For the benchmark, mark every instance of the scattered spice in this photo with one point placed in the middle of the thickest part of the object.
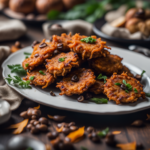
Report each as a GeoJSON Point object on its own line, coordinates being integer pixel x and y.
{"type": "Point", "coordinates": [138, 123]}
{"type": "Point", "coordinates": [116, 132]}
{"type": "Point", "coordinates": [127, 146]}
{"type": "Point", "coordinates": [76, 134]}
{"type": "Point", "coordinates": [56, 117]}
{"type": "Point", "coordinates": [37, 107]}
{"type": "Point", "coordinates": [19, 126]}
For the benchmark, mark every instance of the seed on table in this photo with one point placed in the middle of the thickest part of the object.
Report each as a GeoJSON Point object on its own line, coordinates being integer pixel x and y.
{"type": "Point", "coordinates": [60, 46]}
{"type": "Point", "coordinates": [66, 130]}
{"type": "Point", "coordinates": [29, 112]}
{"type": "Point", "coordinates": [71, 124]}
{"type": "Point", "coordinates": [58, 118]}
{"type": "Point", "coordinates": [43, 120]}
{"type": "Point", "coordinates": [59, 125]}
{"type": "Point", "coordinates": [34, 130]}
{"type": "Point", "coordinates": [138, 123]}
{"type": "Point", "coordinates": [67, 139]}
{"type": "Point", "coordinates": [29, 126]}
{"type": "Point", "coordinates": [35, 123]}
{"type": "Point", "coordinates": [123, 87]}
{"type": "Point", "coordinates": [42, 127]}
{"type": "Point", "coordinates": [94, 137]}
{"type": "Point", "coordinates": [24, 115]}
{"type": "Point", "coordinates": [52, 93]}
{"type": "Point", "coordinates": [32, 121]}
{"type": "Point", "coordinates": [34, 117]}
{"type": "Point", "coordinates": [90, 129]}
{"type": "Point", "coordinates": [52, 135]}
{"type": "Point", "coordinates": [74, 78]}
{"type": "Point", "coordinates": [73, 128]}
{"type": "Point", "coordinates": [80, 99]}
{"type": "Point", "coordinates": [42, 45]}
{"type": "Point", "coordinates": [36, 112]}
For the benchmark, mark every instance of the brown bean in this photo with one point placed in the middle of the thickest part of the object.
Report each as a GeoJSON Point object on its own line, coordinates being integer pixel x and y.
{"type": "Point", "coordinates": [32, 121]}
{"type": "Point", "coordinates": [138, 123]}
{"type": "Point", "coordinates": [66, 130]}
{"type": "Point", "coordinates": [29, 126]}
{"type": "Point", "coordinates": [43, 120]}
{"type": "Point", "coordinates": [80, 99]}
{"type": "Point", "coordinates": [52, 135]}
{"type": "Point", "coordinates": [138, 77]}
{"type": "Point", "coordinates": [34, 117]}
{"type": "Point", "coordinates": [34, 43]}
{"type": "Point", "coordinates": [90, 129]}
{"type": "Point", "coordinates": [36, 112]}
{"type": "Point", "coordinates": [42, 45]}
{"type": "Point", "coordinates": [58, 118]}
{"type": "Point", "coordinates": [35, 123]}
{"type": "Point", "coordinates": [59, 125]}
{"type": "Point", "coordinates": [73, 128]}
{"type": "Point", "coordinates": [29, 112]}
{"type": "Point", "coordinates": [52, 93]}
{"type": "Point", "coordinates": [94, 137]}
{"type": "Point", "coordinates": [42, 127]}
{"type": "Point", "coordinates": [123, 87]}
{"type": "Point", "coordinates": [71, 124]}
{"type": "Point", "coordinates": [56, 52]}
{"type": "Point", "coordinates": [74, 78]}
{"type": "Point", "coordinates": [34, 130]}
{"type": "Point", "coordinates": [24, 114]}
{"type": "Point", "coordinates": [36, 55]}
{"type": "Point", "coordinates": [60, 46]}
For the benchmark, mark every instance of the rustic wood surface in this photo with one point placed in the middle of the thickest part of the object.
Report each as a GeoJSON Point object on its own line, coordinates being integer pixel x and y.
{"type": "Point", "coordinates": [114, 122]}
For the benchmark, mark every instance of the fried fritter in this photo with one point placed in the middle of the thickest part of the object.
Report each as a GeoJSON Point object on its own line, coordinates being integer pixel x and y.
{"type": "Point", "coordinates": [120, 93]}
{"type": "Point", "coordinates": [125, 70]}
{"type": "Point", "coordinates": [98, 87]}
{"type": "Point", "coordinates": [86, 79]}
{"type": "Point", "coordinates": [41, 52]}
{"type": "Point", "coordinates": [107, 65]}
{"type": "Point", "coordinates": [40, 77]}
{"type": "Point", "coordinates": [61, 64]}
{"type": "Point", "coordinates": [88, 50]}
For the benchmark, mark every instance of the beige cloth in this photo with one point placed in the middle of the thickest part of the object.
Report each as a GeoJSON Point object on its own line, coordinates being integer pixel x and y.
{"type": "Point", "coordinates": [74, 26]}
{"type": "Point", "coordinates": [6, 93]}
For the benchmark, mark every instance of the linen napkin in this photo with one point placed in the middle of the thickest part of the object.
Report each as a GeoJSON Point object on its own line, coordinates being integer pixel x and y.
{"type": "Point", "coordinates": [7, 93]}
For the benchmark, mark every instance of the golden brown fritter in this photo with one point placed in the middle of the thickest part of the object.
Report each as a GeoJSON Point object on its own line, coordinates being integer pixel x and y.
{"type": "Point", "coordinates": [61, 64]}
{"type": "Point", "coordinates": [86, 79]}
{"type": "Point", "coordinates": [88, 50]}
{"type": "Point", "coordinates": [43, 79]}
{"type": "Point", "coordinates": [41, 52]}
{"type": "Point", "coordinates": [107, 65]}
{"type": "Point", "coordinates": [98, 87]}
{"type": "Point", "coordinates": [125, 70]}
{"type": "Point", "coordinates": [120, 93]}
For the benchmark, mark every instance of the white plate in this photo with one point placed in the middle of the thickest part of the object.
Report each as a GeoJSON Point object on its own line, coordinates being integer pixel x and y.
{"type": "Point", "coordinates": [70, 103]}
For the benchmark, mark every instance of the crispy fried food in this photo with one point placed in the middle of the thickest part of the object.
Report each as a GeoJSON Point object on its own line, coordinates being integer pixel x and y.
{"type": "Point", "coordinates": [88, 50]}
{"type": "Point", "coordinates": [86, 79]}
{"type": "Point", "coordinates": [118, 94]}
{"type": "Point", "coordinates": [62, 42]}
{"type": "Point", "coordinates": [107, 65]}
{"type": "Point", "coordinates": [98, 87]}
{"type": "Point", "coordinates": [41, 52]}
{"type": "Point", "coordinates": [44, 79]}
{"type": "Point", "coordinates": [61, 64]}
{"type": "Point", "coordinates": [125, 70]}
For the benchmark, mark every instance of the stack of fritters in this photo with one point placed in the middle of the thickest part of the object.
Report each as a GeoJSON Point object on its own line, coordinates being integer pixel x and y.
{"type": "Point", "coordinates": [65, 56]}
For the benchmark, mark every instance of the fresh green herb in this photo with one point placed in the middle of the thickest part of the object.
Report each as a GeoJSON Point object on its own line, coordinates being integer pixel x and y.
{"type": "Point", "coordinates": [128, 86]}
{"type": "Point", "coordinates": [17, 69]}
{"type": "Point", "coordinates": [17, 81]}
{"type": "Point", "coordinates": [147, 94]}
{"type": "Point", "coordinates": [29, 148]}
{"type": "Point", "coordinates": [26, 57]}
{"type": "Point", "coordinates": [103, 133]}
{"type": "Point", "coordinates": [27, 64]}
{"type": "Point", "coordinates": [100, 76]}
{"type": "Point", "coordinates": [99, 100]}
{"type": "Point", "coordinates": [127, 91]}
{"type": "Point", "coordinates": [41, 72]}
{"type": "Point", "coordinates": [83, 148]}
{"type": "Point", "coordinates": [26, 53]}
{"type": "Point", "coordinates": [142, 73]}
{"type": "Point", "coordinates": [32, 78]}
{"type": "Point", "coordinates": [88, 40]}
{"type": "Point", "coordinates": [62, 59]}
{"type": "Point", "coordinates": [118, 84]}
{"type": "Point", "coordinates": [135, 90]}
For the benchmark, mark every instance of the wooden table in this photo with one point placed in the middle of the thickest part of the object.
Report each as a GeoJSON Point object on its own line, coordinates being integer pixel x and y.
{"type": "Point", "coordinates": [114, 122]}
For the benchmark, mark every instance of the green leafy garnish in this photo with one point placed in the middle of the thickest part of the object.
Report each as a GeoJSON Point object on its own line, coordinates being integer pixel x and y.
{"type": "Point", "coordinates": [26, 53]}
{"type": "Point", "coordinates": [88, 40]}
{"type": "Point", "coordinates": [99, 100]}
{"type": "Point", "coordinates": [26, 57]}
{"type": "Point", "coordinates": [41, 72]}
{"type": "Point", "coordinates": [32, 78]}
{"type": "Point", "coordinates": [118, 84]}
{"type": "Point", "coordinates": [124, 82]}
{"type": "Point", "coordinates": [142, 73]}
{"type": "Point", "coordinates": [103, 133]}
{"type": "Point", "coordinates": [29, 148]}
{"type": "Point", "coordinates": [127, 91]}
{"type": "Point", "coordinates": [83, 148]}
{"type": "Point", "coordinates": [100, 76]}
{"type": "Point", "coordinates": [27, 64]}
{"type": "Point", "coordinates": [135, 90]}
{"type": "Point", "coordinates": [17, 81]}
{"type": "Point", "coordinates": [17, 69]}
{"type": "Point", "coordinates": [62, 59]}
{"type": "Point", "coordinates": [147, 94]}
{"type": "Point", "coordinates": [128, 86]}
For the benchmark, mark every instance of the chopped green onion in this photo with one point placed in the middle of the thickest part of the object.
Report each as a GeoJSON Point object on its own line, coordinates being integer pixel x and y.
{"type": "Point", "coordinates": [118, 84]}
{"type": "Point", "coordinates": [99, 100]}
{"type": "Point", "coordinates": [88, 40]}
{"type": "Point", "coordinates": [27, 64]}
{"type": "Point", "coordinates": [31, 78]}
{"type": "Point", "coordinates": [135, 90]}
{"type": "Point", "coordinates": [62, 59]}
{"type": "Point", "coordinates": [41, 72]}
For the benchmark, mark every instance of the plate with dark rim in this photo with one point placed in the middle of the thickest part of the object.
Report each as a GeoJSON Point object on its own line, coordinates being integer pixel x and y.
{"type": "Point", "coordinates": [97, 30]}
{"type": "Point", "coordinates": [134, 61]}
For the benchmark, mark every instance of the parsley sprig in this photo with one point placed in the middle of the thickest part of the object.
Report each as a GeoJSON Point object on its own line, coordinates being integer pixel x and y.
{"type": "Point", "coordinates": [17, 69]}
{"type": "Point", "coordinates": [103, 133]}
{"type": "Point", "coordinates": [99, 100]}
{"type": "Point", "coordinates": [41, 72]}
{"type": "Point", "coordinates": [100, 76]}
{"type": "Point", "coordinates": [88, 40]}
{"type": "Point", "coordinates": [62, 59]}
{"type": "Point", "coordinates": [142, 73]}
{"type": "Point", "coordinates": [128, 86]}
{"type": "Point", "coordinates": [18, 82]}
{"type": "Point", "coordinates": [135, 90]}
